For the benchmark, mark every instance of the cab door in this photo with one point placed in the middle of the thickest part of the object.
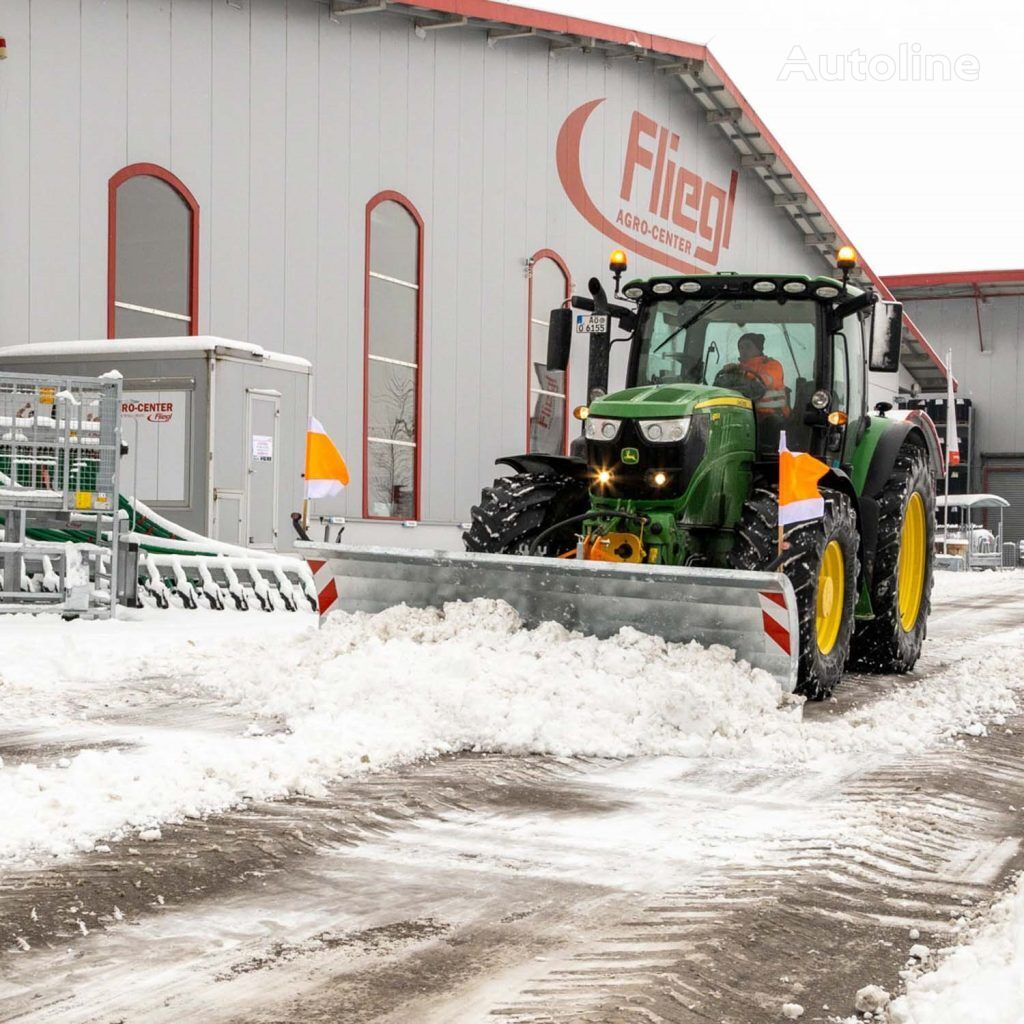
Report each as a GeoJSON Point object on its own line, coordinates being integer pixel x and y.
{"type": "Point", "coordinates": [854, 366]}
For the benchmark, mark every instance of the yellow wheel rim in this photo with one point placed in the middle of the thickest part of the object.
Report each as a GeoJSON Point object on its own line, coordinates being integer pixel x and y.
{"type": "Point", "coordinates": [912, 561]}
{"type": "Point", "coordinates": [831, 595]}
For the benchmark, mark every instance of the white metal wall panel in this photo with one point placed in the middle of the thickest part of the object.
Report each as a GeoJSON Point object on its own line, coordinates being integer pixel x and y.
{"type": "Point", "coordinates": [284, 123]}
{"type": "Point", "coordinates": [269, 89]}
{"type": "Point", "coordinates": [104, 102]}
{"type": "Point", "coordinates": [191, 128]}
{"type": "Point", "coordinates": [475, 428]}
{"type": "Point", "coordinates": [333, 321]}
{"type": "Point", "coordinates": [231, 162]}
{"type": "Point", "coordinates": [53, 253]}
{"type": "Point", "coordinates": [302, 174]}
{"type": "Point", "coordinates": [994, 379]}
{"type": "Point", "coordinates": [15, 175]}
{"type": "Point", "coordinates": [148, 92]}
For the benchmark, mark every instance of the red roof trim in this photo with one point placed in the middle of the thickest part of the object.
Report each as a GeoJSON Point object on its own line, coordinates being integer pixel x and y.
{"type": "Point", "coordinates": [955, 277]}
{"type": "Point", "coordinates": [527, 17]}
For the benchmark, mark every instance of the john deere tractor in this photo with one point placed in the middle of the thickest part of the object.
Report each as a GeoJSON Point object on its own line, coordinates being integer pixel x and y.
{"type": "Point", "coordinates": [681, 467]}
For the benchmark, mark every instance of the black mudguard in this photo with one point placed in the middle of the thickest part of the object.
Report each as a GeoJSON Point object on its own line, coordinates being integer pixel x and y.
{"type": "Point", "coordinates": [916, 430]}
{"type": "Point", "coordinates": [549, 465]}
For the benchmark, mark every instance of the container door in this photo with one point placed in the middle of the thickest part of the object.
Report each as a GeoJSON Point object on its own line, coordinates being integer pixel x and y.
{"type": "Point", "coordinates": [261, 483]}
{"type": "Point", "coordinates": [228, 521]}
{"type": "Point", "coordinates": [1004, 475]}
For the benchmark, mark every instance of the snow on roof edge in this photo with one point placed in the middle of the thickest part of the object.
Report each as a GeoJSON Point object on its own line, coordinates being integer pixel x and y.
{"type": "Point", "coordinates": [156, 346]}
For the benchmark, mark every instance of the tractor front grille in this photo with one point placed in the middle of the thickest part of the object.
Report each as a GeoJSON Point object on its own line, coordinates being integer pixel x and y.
{"type": "Point", "coordinates": [634, 480]}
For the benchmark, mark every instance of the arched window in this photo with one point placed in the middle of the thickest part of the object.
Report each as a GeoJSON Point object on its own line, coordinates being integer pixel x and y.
{"type": "Point", "coordinates": [546, 391]}
{"type": "Point", "coordinates": [152, 262]}
{"type": "Point", "coordinates": [393, 338]}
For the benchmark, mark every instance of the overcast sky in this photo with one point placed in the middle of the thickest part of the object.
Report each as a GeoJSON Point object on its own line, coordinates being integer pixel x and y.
{"type": "Point", "coordinates": [922, 175]}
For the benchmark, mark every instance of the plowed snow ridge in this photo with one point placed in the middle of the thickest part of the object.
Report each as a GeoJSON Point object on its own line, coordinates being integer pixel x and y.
{"type": "Point", "coordinates": [366, 692]}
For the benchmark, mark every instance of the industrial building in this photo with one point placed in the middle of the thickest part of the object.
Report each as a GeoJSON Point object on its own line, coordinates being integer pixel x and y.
{"type": "Point", "coordinates": [397, 194]}
{"type": "Point", "coordinates": [979, 316]}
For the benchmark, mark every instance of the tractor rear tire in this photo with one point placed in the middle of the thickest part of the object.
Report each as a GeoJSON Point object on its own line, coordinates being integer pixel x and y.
{"type": "Point", "coordinates": [517, 508]}
{"type": "Point", "coordinates": [902, 578]}
{"type": "Point", "coordinates": [821, 563]}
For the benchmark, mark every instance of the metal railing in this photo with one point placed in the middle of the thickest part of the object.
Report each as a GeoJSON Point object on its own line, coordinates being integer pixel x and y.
{"type": "Point", "coordinates": [60, 448]}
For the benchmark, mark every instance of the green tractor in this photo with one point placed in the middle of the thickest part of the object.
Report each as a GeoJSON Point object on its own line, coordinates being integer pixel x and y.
{"type": "Point", "coordinates": [681, 468]}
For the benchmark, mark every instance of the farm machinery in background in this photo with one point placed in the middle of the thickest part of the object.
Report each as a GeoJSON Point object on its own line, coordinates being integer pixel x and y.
{"type": "Point", "coordinates": [73, 544]}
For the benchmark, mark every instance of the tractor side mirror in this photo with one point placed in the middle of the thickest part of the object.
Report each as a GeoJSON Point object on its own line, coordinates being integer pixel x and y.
{"type": "Point", "coordinates": [885, 334]}
{"type": "Point", "coordinates": [559, 339]}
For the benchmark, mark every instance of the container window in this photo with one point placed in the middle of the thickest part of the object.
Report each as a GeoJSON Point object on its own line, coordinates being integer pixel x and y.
{"type": "Point", "coordinates": [546, 402]}
{"type": "Point", "coordinates": [152, 269]}
{"type": "Point", "coordinates": [393, 342]}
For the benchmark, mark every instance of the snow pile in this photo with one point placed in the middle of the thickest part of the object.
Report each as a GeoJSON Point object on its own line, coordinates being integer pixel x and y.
{"type": "Point", "coordinates": [956, 702]}
{"type": "Point", "coordinates": [982, 982]}
{"type": "Point", "coordinates": [419, 682]}
{"type": "Point", "coordinates": [871, 999]}
{"type": "Point", "coordinates": [366, 692]}
{"type": "Point", "coordinates": [372, 691]}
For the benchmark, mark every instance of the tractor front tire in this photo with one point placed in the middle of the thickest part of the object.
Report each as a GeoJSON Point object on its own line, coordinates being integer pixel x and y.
{"type": "Point", "coordinates": [821, 562]}
{"type": "Point", "coordinates": [902, 578]}
{"type": "Point", "coordinates": [516, 509]}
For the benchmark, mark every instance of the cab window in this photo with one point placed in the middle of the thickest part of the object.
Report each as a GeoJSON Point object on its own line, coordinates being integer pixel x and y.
{"type": "Point", "coordinates": [840, 374]}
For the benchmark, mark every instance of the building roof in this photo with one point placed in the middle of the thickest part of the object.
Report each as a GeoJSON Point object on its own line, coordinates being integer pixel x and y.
{"type": "Point", "coordinates": [190, 345]}
{"type": "Point", "coordinates": [697, 69]}
{"type": "Point", "coordinates": [958, 284]}
{"type": "Point", "coordinates": [971, 501]}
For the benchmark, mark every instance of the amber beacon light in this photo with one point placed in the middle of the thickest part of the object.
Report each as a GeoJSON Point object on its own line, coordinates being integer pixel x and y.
{"type": "Point", "coordinates": [846, 260]}
{"type": "Point", "coordinates": [617, 264]}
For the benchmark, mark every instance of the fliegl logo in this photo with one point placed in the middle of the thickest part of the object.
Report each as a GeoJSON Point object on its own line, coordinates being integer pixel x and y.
{"type": "Point", "coordinates": [664, 210]}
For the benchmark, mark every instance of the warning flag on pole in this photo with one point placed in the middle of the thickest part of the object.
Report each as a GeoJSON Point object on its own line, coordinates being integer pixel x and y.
{"type": "Point", "coordinates": [326, 472]}
{"type": "Point", "coordinates": [952, 441]}
{"type": "Point", "coordinates": [799, 497]}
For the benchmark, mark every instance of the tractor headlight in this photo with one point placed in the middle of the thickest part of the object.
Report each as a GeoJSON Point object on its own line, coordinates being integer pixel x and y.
{"type": "Point", "coordinates": [597, 429]}
{"type": "Point", "coordinates": [665, 431]}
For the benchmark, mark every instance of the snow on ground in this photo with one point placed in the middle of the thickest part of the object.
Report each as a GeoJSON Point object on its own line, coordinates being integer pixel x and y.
{"type": "Point", "coordinates": [977, 584]}
{"type": "Point", "coordinates": [288, 708]}
{"type": "Point", "coordinates": [982, 982]}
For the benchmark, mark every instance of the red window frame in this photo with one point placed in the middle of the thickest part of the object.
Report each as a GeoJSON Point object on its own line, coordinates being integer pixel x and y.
{"type": "Point", "coordinates": [386, 196]}
{"type": "Point", "coordinates": [153, 171]}
{"type": "Point", "coordinates": [543, 254]}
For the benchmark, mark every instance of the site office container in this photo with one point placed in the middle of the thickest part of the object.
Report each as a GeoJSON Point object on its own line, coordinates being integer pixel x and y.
{"type": "Point", "coordinates": [215, 429]}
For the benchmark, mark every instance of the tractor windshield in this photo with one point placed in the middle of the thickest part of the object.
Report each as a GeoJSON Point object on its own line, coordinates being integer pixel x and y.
{"type": "Point", "coordinates": [759, 347]}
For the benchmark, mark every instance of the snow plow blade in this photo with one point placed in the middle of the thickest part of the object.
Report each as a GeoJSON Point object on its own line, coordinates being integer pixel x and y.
{"type": "Point", "coordinates": [753, 613]}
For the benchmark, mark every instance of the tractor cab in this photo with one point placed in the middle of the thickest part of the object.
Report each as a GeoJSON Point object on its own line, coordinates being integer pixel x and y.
{"type": "Point", "coordinates": [797, 348]}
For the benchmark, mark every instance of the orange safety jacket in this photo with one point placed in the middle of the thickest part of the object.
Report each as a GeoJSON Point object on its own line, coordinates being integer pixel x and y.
{"type": "Point", "coordinates": [769, 372]}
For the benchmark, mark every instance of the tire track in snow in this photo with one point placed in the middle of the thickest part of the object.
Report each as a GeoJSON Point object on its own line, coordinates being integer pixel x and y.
{"type": "Point", "coordinates": [934, 838]}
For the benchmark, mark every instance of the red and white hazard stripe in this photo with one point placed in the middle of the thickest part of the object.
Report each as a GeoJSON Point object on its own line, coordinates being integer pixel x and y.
{"type": "Point", "coordinates": [775, 619]}
{"type": "Point", "coordinates": [325, 584]}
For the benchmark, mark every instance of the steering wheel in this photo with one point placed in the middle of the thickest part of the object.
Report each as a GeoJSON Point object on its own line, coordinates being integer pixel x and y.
{"type": "Point", "coordinates": [746, 382]}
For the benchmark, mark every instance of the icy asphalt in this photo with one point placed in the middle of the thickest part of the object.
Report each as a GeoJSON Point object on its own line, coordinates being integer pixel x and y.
{"type": "Point", "coordinates": [714, 883]}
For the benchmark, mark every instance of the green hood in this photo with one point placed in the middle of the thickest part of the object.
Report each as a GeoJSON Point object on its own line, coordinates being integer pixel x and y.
{"type": "Point", "coordinates": [657, 401]}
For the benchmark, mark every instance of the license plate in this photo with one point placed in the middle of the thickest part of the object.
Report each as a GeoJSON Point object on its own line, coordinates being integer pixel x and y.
{"type": "Point", "coordinates": [595, 323]}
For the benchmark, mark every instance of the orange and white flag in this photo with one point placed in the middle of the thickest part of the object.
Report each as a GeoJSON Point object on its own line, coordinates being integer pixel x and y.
{"type": "Point", "coordinates": [799, 497]}
{"type": "Point", "coordinates": [326, 472]}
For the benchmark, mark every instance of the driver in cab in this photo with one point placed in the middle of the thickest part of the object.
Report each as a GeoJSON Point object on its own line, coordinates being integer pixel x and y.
{"type": "Point", "coordinates": [760, 369]}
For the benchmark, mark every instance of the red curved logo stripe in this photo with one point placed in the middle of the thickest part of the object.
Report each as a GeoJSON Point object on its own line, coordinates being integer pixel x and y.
{"type": "Point", "coordinates": [570, 172]}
